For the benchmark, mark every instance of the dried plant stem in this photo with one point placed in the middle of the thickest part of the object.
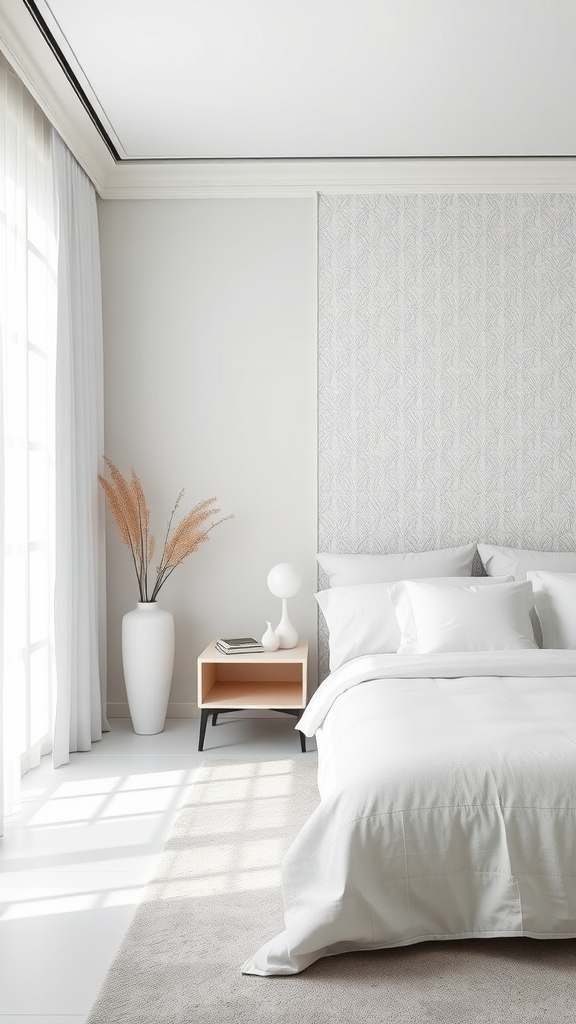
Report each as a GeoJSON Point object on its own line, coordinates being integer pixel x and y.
{"type": "Point", "coordinates": [129, 508]}
{"type": "Point", "coordinates": [168, 568]}
{"type": "Point", "coordinates": [123, 515]}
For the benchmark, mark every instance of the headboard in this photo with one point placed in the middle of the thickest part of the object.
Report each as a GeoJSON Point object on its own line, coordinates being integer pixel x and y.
{"type": "Point", "coordinates": [447, 372]}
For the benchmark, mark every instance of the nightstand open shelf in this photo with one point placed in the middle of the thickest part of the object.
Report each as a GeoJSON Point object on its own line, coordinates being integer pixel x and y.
{"type": "Point", "coordinates": [272, 681]}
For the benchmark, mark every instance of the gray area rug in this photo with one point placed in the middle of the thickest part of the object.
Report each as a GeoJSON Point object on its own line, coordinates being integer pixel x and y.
{"type": "Point", "coordinates": [215, 898]}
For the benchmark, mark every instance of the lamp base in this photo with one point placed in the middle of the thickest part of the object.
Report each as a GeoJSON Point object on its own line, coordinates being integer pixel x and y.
{"type": "Point", "coordinates": [285, 631]}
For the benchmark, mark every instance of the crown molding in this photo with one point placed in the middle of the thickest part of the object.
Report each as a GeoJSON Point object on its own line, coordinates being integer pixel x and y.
{"type": "Point", "coordinates": [26, 50]}
{"type": "Point", "coordinates": [306, 178]}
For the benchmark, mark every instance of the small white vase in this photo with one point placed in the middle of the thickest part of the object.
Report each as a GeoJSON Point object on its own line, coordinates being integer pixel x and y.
{"type": "Point", "coordinates": [148, 661]}
{"type": "Point", "coordinates": [285, 631]}
{"type": "Point", "coordinates": [270, 641]}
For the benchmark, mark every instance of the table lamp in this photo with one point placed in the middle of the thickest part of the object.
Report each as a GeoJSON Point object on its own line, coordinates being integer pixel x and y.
{"type": "Point", "coordinates": [284, 581]}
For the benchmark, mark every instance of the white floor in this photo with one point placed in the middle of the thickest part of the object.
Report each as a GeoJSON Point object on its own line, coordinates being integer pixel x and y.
{"type": "Point", "coordinates": [74, 861]}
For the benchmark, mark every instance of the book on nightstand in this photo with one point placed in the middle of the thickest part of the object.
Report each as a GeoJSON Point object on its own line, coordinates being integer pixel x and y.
{"type": "Point", "coordinates": [239, 645]}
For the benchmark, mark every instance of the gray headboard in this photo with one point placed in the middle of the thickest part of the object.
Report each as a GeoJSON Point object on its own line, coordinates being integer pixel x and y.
{"type": "Point", "coordinates": [447, 372]}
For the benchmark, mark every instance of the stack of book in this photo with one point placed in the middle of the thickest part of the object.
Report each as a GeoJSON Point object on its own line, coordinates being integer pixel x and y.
{"type": "Point", "coordinates": [239, 645]}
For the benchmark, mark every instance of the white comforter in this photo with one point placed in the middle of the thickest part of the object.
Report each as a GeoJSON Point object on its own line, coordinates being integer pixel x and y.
{"type": "Point", "coordinates": [447, 810]}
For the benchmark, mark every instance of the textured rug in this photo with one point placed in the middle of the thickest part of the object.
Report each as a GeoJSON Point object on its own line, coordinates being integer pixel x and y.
{"type": "Point", "coordinates": [215, 898]}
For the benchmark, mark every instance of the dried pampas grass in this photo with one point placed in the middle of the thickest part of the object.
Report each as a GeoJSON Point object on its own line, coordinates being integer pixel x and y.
{"type": "Point", "coordinates": [128, 505]}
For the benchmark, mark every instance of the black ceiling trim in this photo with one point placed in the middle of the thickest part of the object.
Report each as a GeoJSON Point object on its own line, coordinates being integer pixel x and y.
{"type": "Point", "coordinates": [342, 159]}
{"type": "Point", "coordinates": [66, 68]}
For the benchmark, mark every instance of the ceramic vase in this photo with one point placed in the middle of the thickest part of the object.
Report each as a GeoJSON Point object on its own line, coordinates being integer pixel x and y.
{"type": "Point", "coordinates": [270, 641]}
{"type": "Point", "coordinates": [148, 662]}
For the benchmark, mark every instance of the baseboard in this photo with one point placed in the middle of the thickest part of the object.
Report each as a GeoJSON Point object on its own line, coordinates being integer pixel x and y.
{"type": "Point", "coordinates": [119, 709]}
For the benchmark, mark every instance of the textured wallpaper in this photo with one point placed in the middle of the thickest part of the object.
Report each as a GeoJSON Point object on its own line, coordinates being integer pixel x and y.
{"type": "Point", "coordinates": [447, 371]}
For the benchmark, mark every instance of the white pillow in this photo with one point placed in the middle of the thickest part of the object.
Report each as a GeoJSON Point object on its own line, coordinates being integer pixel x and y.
{"type": "Point", "coordinates": [500, 561]}
{"type": "Point", "coordinates": [362, 620]}
{"type": "Point", "coordinates": [403, 608]}
{"type": "Point", "coordinates": [517, 562]}
{"type": "Point", "coordinates": [555, 600]}
{"type": "Point", "coordinates": [349, 570]}
{"type": "Point", "coordinates": [477, 618]}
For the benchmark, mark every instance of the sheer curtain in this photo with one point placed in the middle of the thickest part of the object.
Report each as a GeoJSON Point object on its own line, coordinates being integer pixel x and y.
{"type": "Point", "coordinates": [50, 657]}
{"type": "Point", "coordinates": [80, 571]}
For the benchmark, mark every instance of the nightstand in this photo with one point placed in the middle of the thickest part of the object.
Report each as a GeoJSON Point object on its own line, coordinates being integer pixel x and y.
{"type": "Point", "coordinates": [275, 681]}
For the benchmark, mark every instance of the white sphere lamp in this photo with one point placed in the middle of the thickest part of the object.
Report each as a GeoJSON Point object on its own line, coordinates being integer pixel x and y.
{"type": "Point", "coordinates": [284, 581]}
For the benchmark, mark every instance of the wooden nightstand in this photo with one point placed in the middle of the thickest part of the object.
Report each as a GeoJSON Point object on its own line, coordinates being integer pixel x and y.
{"type": "Point", "coordinates": [240, 682]}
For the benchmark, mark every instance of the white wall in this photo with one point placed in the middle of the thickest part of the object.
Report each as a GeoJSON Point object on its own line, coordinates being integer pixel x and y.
{"type": "Point", "coordinates": [210, 384]}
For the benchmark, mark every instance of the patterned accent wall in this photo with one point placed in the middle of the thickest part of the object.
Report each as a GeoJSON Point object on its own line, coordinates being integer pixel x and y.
{"type": "Point", "coordinates": [447, 372]}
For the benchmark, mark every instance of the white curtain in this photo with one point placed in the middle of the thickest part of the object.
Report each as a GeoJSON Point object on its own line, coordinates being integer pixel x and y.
{"type": "Point", "coordinates": [51, 681]}
{"type": "Point", "coordinates": [80, 572]}
{"type": "Point", "coordinates": [28, 340]}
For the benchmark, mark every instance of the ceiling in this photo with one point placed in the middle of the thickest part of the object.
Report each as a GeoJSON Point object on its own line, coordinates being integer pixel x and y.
{"type": "Point", "coordinates": [299, 79]}
{"type": "Point", "coordinates": [281, 98]}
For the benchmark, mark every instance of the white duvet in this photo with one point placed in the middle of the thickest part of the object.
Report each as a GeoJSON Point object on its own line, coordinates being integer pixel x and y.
{"type": "Point", "coordinates": [447, 806]}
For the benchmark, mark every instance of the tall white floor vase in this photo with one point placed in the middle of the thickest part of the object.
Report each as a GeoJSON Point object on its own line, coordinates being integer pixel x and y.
{"type": "Point", "coordinates": [148, 661]}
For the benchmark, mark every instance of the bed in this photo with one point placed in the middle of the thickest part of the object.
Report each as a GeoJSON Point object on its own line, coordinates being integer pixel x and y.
{"type": "Point", "coordinates": [447, 778]}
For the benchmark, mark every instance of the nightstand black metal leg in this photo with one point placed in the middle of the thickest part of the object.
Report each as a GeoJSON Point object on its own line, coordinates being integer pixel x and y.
{"type": "Point", "coordinates": [301, 734]}
{"type": "Point", "coordinates": [204, 715]}
{"type": "Point", "coordinates": [298, 713]}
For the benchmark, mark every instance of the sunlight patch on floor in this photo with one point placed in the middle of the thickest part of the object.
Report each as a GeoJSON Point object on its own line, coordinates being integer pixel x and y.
{"type": "Point", "coordinates": [93, 801]}
{"type": "Point", "coordinates": [230, 836]}
{"type": "Point", "coordinates": [70, 903]}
